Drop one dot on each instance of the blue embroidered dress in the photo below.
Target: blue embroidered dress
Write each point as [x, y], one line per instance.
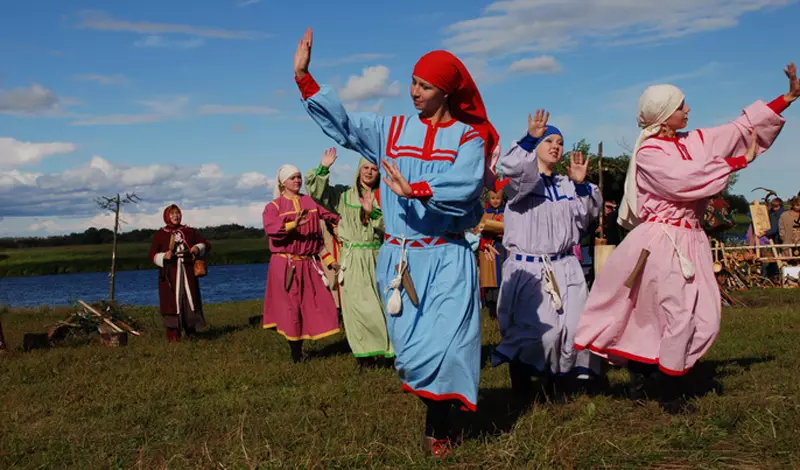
[438, 343]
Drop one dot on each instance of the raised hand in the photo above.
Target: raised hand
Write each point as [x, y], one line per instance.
[794, 83]
[329, 157]
[394, 179]
[578, 167]
[302, 57]
[750, 154]
[538, 124]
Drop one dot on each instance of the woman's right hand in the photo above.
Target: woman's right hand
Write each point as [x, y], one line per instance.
[750, 154]
[302, 57]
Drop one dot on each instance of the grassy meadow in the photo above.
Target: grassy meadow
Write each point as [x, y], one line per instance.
[97, 258]
[234, 400]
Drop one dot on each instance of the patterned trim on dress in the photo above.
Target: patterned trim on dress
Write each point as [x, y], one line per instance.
[302, 337]
[424, 242]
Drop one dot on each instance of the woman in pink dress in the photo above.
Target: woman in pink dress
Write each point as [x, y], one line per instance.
[665, 315]
[297, 303]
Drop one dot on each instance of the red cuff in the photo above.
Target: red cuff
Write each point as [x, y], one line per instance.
[482, 243]
[420, 190]
[307, 85]
[778, 105]
[737, 163]
[500, 184]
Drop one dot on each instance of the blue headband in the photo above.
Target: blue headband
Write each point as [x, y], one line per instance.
[549, 130]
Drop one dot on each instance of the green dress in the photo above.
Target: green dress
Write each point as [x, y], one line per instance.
[362, 307]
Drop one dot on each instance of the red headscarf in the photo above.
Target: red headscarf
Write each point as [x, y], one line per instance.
[166, 216]
[444, 71]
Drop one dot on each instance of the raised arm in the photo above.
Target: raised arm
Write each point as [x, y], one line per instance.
[673, 179]
[360, 132]
[586, 204]
[318, 182]
[731, 140]
[520, 168]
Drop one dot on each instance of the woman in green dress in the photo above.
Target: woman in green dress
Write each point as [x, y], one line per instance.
[360, 232]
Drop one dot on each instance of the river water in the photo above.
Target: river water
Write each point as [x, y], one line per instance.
[230, 283]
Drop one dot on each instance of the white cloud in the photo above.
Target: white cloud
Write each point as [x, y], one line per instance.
[518, 26]
[160, 41]
[350, 59]
[541, 64]
[101, 21]
[209, 109]
[35, 100]
[372, 83]
[71, 193]
[15, 153]
[376, 107]
[103, 79]
[132, 218]
[247, 3]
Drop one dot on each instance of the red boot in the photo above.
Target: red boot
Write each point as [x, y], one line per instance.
[173, 335]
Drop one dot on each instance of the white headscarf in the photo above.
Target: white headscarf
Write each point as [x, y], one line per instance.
[656, 105]
[284, 173]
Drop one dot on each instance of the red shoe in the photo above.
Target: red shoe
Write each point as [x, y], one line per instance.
[437, 448]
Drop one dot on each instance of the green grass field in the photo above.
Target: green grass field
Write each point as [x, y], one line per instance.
[97, 258]
[234, 400]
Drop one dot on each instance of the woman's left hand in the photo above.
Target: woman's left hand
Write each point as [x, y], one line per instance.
[578, 167]
[794, 83]
[195, 250]
[394, 179]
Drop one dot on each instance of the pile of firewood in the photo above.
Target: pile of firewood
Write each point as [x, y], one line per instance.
[105, 318]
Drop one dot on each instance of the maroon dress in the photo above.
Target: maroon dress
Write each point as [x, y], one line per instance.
[178, 288]
[306, 309]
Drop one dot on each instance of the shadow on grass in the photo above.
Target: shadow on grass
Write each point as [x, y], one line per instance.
[486, 355]
[216, 332]
[338, 348]
[498, 411]
[704, 378]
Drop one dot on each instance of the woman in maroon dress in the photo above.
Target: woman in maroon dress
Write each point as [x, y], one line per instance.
[174, 250]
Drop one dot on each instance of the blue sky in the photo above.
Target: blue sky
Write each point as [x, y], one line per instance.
[195, 103]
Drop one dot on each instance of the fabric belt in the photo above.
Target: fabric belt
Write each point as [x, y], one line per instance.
[424, 242]
[684, 223]
[294, 257]
[540, 258]
[362, 245]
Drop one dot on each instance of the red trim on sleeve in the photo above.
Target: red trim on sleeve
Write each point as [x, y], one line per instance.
[307, 85]
[378, 196]
[778, 105]
[737, 163]
[500, 184]
[420, 190]
[702, 139]
[482, 243]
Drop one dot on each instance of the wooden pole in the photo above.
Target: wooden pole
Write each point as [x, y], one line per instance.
[114, 249]
[600, 188]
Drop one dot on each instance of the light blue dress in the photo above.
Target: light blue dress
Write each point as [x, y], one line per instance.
[437, 343]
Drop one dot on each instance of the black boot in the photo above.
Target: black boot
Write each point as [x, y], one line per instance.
[521, 383]
[671, 398]
[640, 373]
[297, 351]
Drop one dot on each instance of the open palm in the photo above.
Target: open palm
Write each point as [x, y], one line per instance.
[578, 167]
[302, 57]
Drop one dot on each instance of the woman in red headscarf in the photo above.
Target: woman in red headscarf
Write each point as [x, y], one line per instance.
[174, 250]
[434, 163]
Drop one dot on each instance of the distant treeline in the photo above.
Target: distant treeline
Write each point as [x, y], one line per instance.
[95, 236]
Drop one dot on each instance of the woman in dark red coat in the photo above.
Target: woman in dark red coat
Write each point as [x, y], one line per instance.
[174, 250]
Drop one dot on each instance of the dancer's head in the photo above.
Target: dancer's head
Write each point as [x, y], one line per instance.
[495, 199]
[664, 107]
[550, 148]
[172, 215]
[288, 181]
[440, 80]
[367, 173]
[775, 204]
